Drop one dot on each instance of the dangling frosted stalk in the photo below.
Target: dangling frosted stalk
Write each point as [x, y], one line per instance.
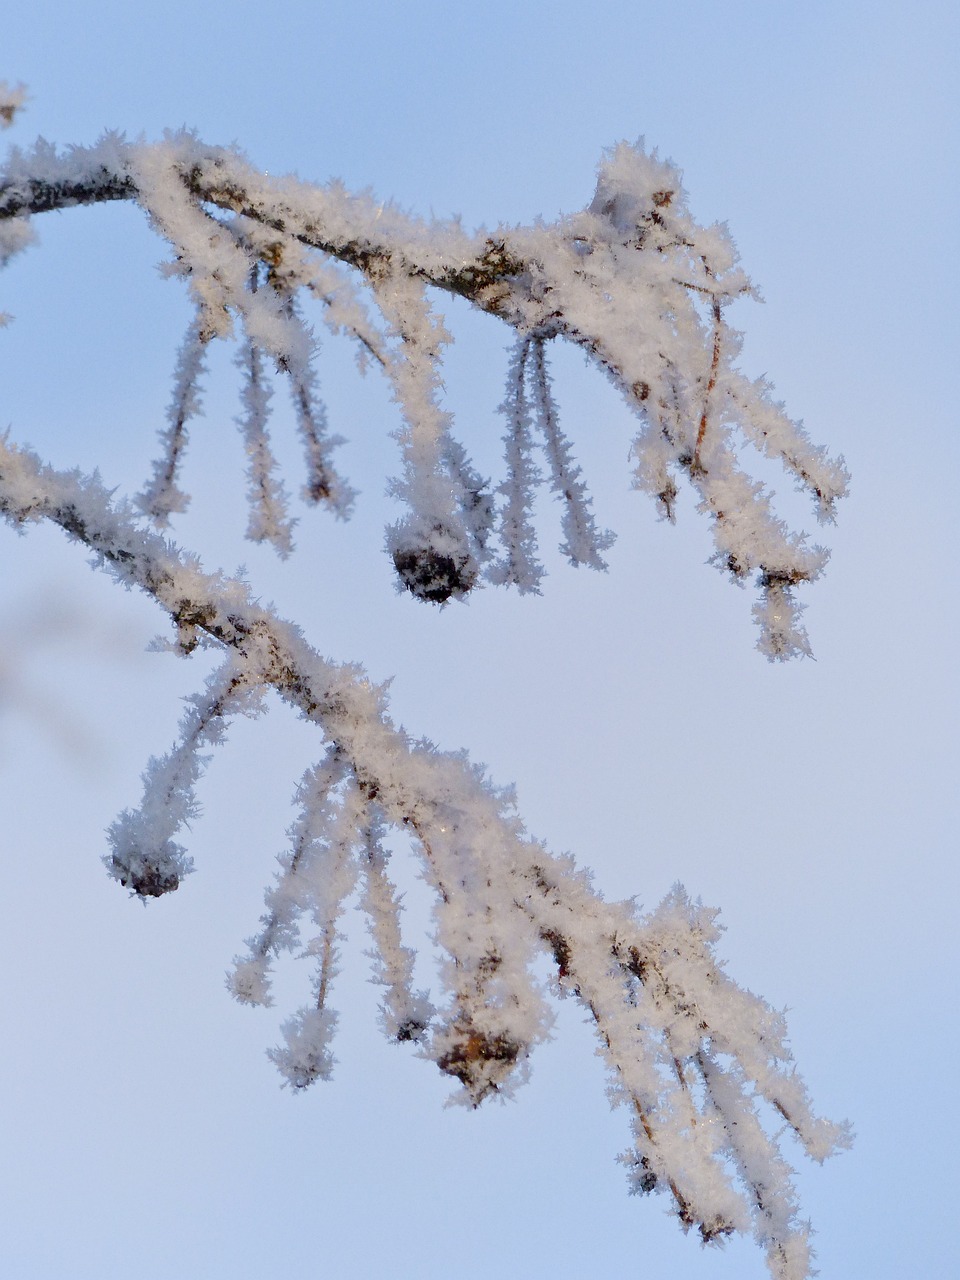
[323, 484]
[312, 425]
[664, 1010]
[326, 847]
[249, 979]
[218, 270]
[405, 1014]
[288, 269]
[655, 447]
[519, 565]
[435, 548]
[583, 541]
[673, 957]
[145, 858]
[269, 519]
[161, 497]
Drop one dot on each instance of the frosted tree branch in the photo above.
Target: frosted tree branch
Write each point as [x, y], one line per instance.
[701, 1066]
[633, 280]
[694, 1058]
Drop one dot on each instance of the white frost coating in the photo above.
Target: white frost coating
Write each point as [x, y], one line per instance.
[314, 840]
[316, 878]
[305, 1056]
[632, 279]
[693, 1057]
[288, 270]
[583, 541]
[210, 257]
[405, 1014]
[519, 565]
[529, 400]
[269, 520]
[323, 484]
[161, 497]
[16, 234]
[344, 310]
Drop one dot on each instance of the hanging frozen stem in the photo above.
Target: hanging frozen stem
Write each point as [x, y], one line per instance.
[495, 1013]
[474, 496]
[583, 541]
[519, 565]
[664, 1011]
[161, 497]
[322, 484]
[319, 877]
[344, 312]
[269, 521]
[405, 1014]
[288, 269]
[249, 980]
[438, 546]
[785, 1241]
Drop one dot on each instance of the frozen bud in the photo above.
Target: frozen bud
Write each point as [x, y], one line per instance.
[436, 571]
[306, 1056]
[249, 982]
[149, 868]
[148, 875]
[482, 1062]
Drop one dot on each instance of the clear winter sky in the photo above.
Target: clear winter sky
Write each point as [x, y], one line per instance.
[142, 1130]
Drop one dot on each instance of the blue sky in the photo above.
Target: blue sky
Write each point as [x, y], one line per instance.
[143, 1129]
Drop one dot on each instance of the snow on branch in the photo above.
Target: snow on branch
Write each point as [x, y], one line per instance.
[632, 280]
[701, 1065]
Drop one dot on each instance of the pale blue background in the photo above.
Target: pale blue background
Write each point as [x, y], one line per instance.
[142, 1130]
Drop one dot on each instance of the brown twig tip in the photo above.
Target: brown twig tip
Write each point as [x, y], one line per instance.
[12, 99]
